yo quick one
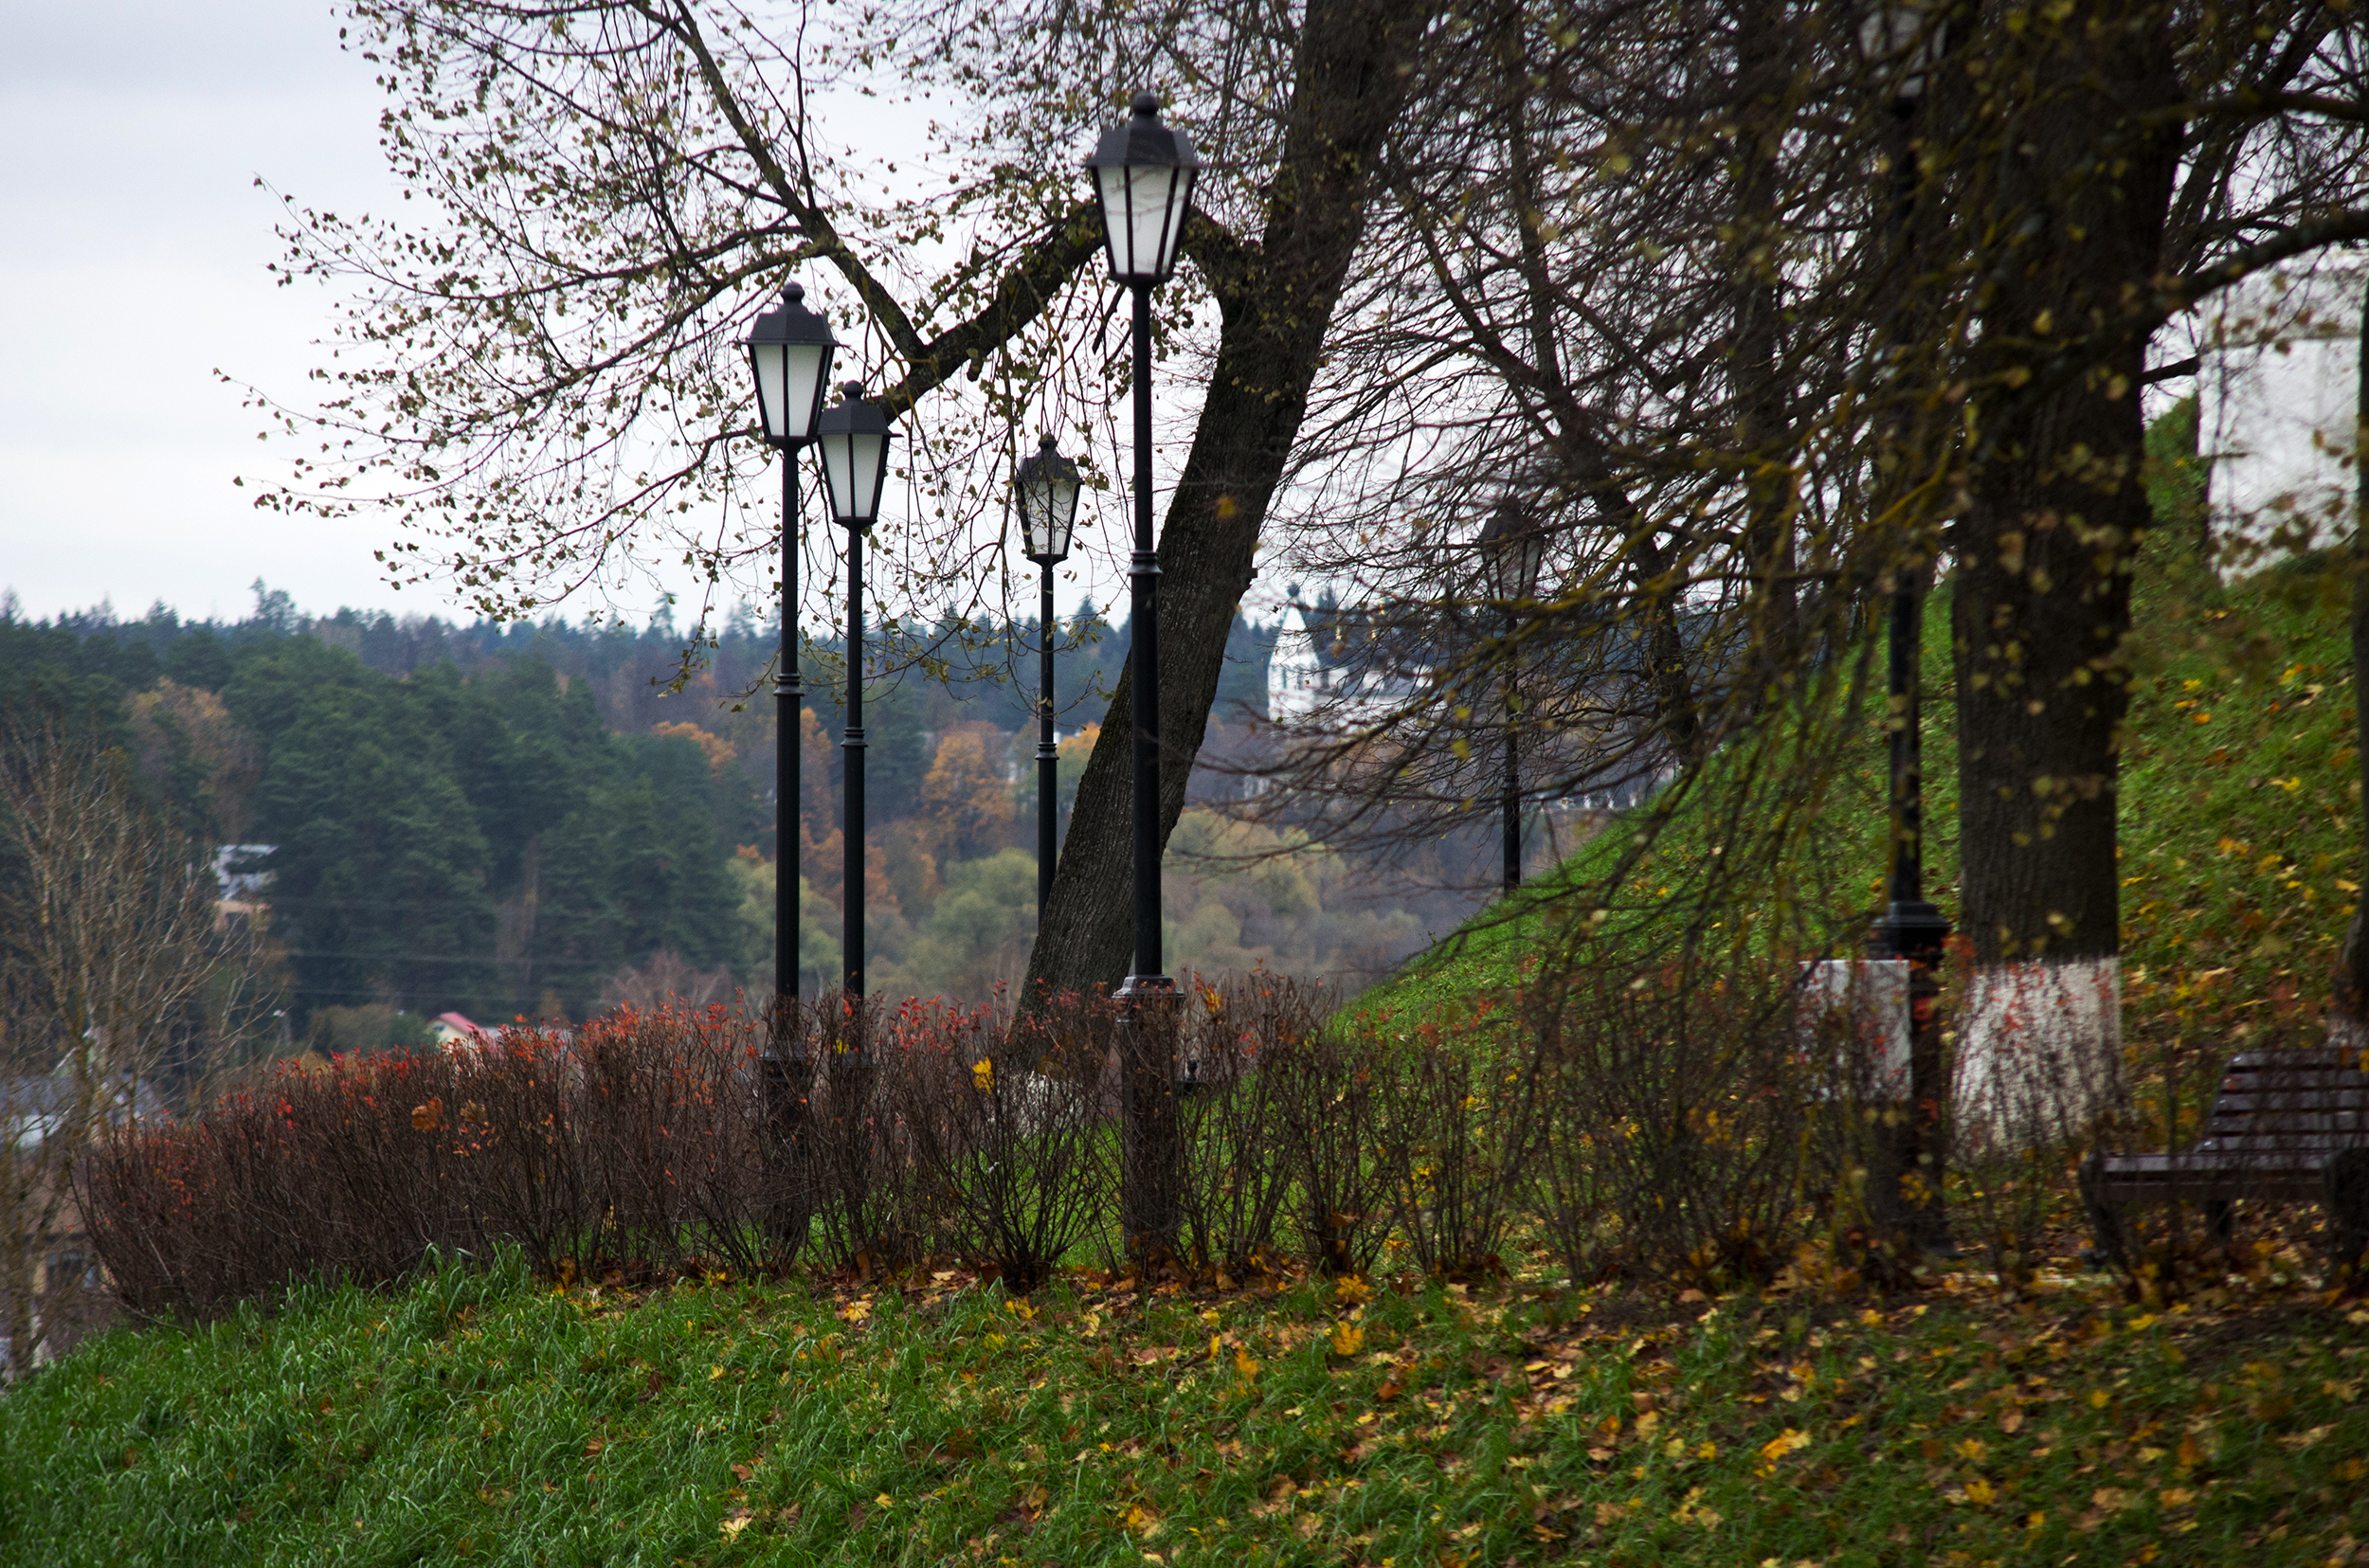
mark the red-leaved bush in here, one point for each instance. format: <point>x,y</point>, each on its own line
<point>633,1146</point>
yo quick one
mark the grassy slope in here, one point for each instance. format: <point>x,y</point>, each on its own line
<point>488,1419</point>
<point>2240,821</point>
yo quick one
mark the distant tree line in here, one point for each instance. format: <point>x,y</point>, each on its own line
<point>503,819</point>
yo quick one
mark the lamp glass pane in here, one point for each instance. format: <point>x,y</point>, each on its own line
<point>1159,216</point>
<point>1064,514</point>
<point>868,456</point>
<point>1048,503</point>
<point>803,368</point>
<point>1118,231</point>
<point>771,380</point>
<point>1035,516</point>
<point>835,475</point>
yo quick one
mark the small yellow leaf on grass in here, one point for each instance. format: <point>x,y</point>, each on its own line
<point>2011,1421</point>
<point>734,1526</point>
<point>1979,1492</point>
<point>1347,1339</point>
<point>1647,1422</point>
<point>1972,1449</point>
<point>1245,1366</point>
<point>1142,1521</point>
<point>2099,1399</point>
<point>713,1373</point>
<point>1778,1447</point>
<point>1351,1288</point>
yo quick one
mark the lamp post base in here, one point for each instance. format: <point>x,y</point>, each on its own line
<point>1906,1175</point>
<point>783,1084</point>
<point>1151,1147</point>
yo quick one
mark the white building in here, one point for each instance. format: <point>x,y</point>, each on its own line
<point>2278,391</point>
<point>1308,686</point>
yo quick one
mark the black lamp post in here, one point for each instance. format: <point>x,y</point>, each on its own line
<point>1514,553</point>
<point>854,439</point>
<point>789,354</point>
<point>1143,174</point>
<point>1911,929</point>
<point>1047,484</point>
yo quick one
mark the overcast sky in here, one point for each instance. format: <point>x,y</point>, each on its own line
<point>131,268</point>
<point>133,247</point>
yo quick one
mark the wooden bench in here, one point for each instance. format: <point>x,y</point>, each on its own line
<point>2288,1127</point>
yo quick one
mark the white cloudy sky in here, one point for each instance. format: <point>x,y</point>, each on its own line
<point>131,268</point>
<point>134,244</point>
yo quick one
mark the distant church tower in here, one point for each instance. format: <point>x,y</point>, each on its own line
<point>1296,679</point>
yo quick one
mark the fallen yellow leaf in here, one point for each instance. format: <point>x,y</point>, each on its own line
<point>1347,1339</point>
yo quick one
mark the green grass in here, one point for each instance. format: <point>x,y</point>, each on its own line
<point>485,1417</point>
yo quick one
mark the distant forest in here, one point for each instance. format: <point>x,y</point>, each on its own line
<point>527,821</point>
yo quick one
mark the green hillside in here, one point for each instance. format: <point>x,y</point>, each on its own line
<point>2240,814</point>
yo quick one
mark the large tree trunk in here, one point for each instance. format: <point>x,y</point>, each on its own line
<point>2072,210</point>
<point>1277,302</point>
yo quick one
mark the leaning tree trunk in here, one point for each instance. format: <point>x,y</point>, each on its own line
<point>1276,299</point>
<point>2072,196</point>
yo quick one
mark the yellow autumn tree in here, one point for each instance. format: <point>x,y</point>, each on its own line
<point>965,803</point>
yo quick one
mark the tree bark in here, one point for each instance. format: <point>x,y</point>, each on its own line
<point>2077,193</point>
<point>1275,301</point>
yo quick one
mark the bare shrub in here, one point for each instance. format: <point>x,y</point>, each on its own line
<point>1676,1101</point>
<point>1240,1166</point>
<point>321,1174</point>
<point>870,1199</point>
<point>667,981</point>
<point>632,1145</point>
<point>1327,1100</point>
<point>1005,1124</point>
<point>1457,1127</point>
<point>114,984</point>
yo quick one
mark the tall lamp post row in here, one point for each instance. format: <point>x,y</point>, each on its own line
<point>1142,173</point>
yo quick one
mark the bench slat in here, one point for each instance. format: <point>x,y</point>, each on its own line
<point>2294,1083</point>
<point>2312,1055</point>
<point>2234,1160</point>
<point>2290,1121</point>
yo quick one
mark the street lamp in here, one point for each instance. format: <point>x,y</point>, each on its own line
<point>1909,44</point>
<point>789,354</point>
<point>1513,552</point>
<point>1047,484</point>
<point>854,439</point>
<point>1143,174</point>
